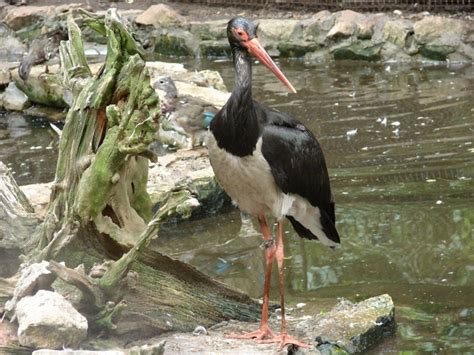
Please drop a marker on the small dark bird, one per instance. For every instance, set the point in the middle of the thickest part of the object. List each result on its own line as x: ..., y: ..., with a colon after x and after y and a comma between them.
x: 271, y: 165
x: 41, y: 49
x: 192, y: 114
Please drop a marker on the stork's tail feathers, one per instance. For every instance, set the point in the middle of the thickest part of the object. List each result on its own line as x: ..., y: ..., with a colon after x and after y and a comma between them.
x: 330, y: 237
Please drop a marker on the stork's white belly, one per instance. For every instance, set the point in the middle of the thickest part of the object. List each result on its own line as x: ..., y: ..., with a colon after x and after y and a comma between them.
x: 248, y: 180
x: 250, y: 184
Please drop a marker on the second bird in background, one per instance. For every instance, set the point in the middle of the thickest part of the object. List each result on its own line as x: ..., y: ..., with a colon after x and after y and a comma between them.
x: 191, y: 114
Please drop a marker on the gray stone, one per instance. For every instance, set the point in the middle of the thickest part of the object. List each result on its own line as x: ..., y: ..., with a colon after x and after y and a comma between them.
x: 191, y: 171
x: 210, y: 30
x: 11, y: 49
x: 23, y: 16
x: 175, y: 42
x: 397, y: 31
x: 439, y: 36
x: 47, y: 320
x: 316, y: 28
x: 32, y: 278
x: 160, y: 15
x: 346, y: 24
x: 358, y: 50
x: 14, y: 99
x: 352, y: 327
x: 273, y: 32
x: 5, y: 74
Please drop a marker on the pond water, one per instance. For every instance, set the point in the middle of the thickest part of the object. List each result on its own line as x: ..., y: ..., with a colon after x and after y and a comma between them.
x: 399, y: 145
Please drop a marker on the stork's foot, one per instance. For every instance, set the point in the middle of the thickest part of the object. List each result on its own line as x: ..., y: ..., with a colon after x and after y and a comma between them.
x: 261, y: 334
x: 285, y: 339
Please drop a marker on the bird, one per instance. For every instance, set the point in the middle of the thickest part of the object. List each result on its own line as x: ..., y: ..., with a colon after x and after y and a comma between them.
x: 192, y: 114
x: 271, y: 165
x: 41, y: 50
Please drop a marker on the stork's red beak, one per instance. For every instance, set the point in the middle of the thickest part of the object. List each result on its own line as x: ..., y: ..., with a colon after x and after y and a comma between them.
x: 256, y: 49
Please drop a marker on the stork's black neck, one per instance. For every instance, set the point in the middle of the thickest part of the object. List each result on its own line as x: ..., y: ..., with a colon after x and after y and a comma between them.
x: 236, y: 127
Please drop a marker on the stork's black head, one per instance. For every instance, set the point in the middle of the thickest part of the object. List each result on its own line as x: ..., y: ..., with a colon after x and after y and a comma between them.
x: 241, y: 30
x: 242, y: 35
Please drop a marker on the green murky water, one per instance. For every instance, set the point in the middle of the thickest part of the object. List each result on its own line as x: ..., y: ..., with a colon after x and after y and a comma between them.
x: 399, y: 145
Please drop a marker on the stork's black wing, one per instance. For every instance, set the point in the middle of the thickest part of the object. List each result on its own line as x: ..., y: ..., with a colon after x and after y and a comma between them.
x: 298, y: 166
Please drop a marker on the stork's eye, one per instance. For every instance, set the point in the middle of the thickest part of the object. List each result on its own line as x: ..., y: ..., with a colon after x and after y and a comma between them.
x: 240, y: 33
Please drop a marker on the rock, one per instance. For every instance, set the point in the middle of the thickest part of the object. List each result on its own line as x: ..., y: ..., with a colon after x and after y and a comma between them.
x: 274, y: 32
x: 38, y: 195
x: 177, y: 72
x: 216, y: 97
x: 358, y: 50
x: 24, y: 16
x: 215, y: 49
x: 11, y: 49
x: 393, y: 54
x: 210, y: 30
x: 15, y: 99
x: 398, y: 31
x: 350, y: 327
x: 160, y: 15
x: 32, y: 278
x: 47, y: 320
x: 316, y: 28
x: 439, y: 36
x: 175, y: 42
x: 5, y: 74
x: 346, y: 24
x: 187, y: 170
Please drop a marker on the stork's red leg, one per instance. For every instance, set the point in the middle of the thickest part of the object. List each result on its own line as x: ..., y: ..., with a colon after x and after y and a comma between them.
x: 264, y: 330
x: 283, y: 337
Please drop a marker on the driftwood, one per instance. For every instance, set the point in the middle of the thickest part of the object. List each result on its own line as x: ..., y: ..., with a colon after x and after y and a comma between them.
x: 100, y: 212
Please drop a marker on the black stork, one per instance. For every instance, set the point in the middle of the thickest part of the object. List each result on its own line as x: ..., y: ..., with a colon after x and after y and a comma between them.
x: 271, y: 165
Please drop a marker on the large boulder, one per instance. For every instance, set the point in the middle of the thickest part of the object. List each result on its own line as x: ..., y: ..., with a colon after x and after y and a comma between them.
x: 346, y: 24
x: 209, y: 30
x: 439, y: 36
x: 187, y: 170
x: 48, y: 320
x: 11, y: 48
x: 398, y: 31
x: 24, y: 16
x: 174, y: 42
x: 316, y: 28
x: 358, y: 50
x: 274, y: 33
x: 351, y: 327
x: 159, y: 16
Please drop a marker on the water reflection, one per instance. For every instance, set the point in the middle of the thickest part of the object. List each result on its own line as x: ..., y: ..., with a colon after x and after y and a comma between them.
x: 28, y: 147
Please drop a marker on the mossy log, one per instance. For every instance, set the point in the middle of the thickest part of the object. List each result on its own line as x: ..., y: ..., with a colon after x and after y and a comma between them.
x: 100, y: 212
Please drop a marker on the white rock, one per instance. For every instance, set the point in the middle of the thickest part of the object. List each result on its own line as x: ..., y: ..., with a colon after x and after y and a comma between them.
x: 32, y: 278
x: 48, y: 320
x: 14, y: 99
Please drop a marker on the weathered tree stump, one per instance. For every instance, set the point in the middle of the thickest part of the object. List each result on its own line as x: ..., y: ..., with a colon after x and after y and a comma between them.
x: 99, y: 211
